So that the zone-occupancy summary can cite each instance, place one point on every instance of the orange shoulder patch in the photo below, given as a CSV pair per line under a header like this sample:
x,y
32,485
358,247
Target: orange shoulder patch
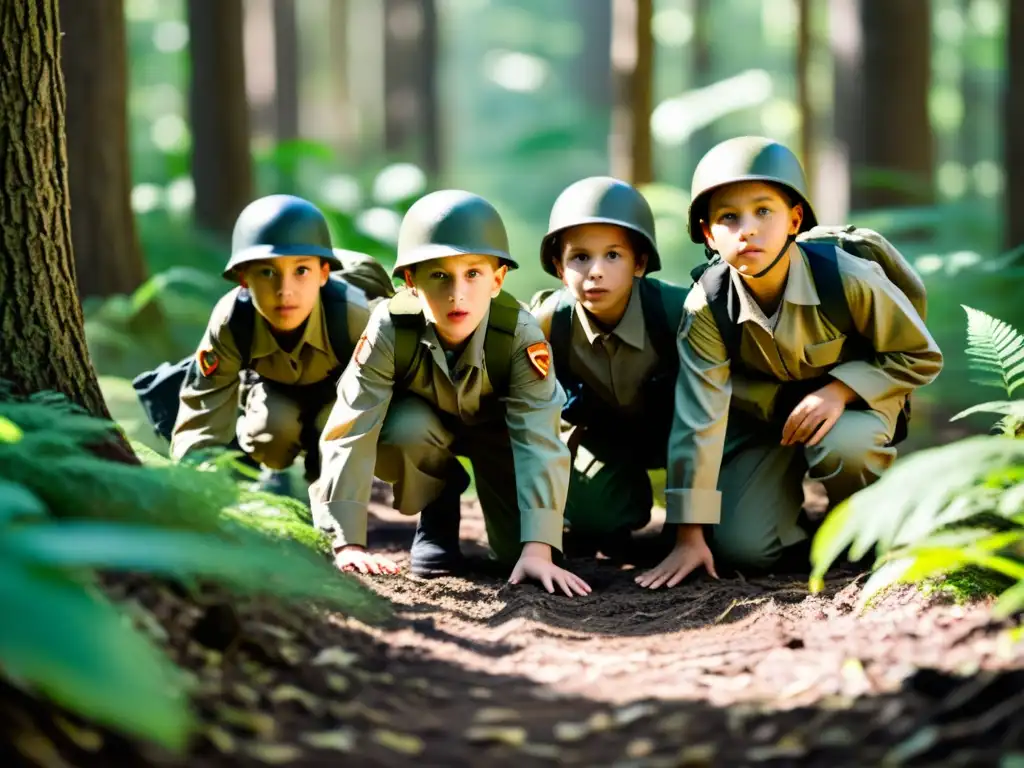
x,y
208,361
362,353
539,356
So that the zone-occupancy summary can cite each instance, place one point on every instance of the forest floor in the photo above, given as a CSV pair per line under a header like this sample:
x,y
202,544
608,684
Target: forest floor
x,y
472,671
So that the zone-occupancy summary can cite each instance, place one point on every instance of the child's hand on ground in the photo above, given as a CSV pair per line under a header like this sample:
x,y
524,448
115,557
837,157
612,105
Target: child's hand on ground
x,y
353,558
816,414
535,562
690,551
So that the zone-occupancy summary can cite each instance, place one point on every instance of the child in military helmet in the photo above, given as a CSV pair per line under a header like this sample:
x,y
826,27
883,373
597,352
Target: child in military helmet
x,y
613,332
451,366
775,386
263,378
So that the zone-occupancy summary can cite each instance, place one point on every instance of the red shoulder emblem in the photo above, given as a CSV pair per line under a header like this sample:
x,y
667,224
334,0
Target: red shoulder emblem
x,y
208,361
540,357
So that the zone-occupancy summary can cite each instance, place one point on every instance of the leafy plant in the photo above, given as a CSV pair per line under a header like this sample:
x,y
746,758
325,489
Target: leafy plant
x,y
66,515
948,508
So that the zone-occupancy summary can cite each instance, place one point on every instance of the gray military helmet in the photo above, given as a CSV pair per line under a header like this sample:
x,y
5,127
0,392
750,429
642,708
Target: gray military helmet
x,y
279,225
746,158
600,200
451,222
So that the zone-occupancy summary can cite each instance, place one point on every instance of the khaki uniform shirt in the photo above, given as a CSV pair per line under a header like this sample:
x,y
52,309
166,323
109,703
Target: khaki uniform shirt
x,y
615,364
208,411
799,344
530,413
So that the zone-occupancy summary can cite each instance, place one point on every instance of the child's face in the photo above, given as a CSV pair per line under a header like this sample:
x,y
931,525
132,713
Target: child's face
x,y
285,289
598,265
748,224
456,292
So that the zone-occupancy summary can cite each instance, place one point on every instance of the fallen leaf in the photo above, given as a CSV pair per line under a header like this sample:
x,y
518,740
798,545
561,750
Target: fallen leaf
x,y
259,723
600,721
37,748
542,751
335,657
404,743
337,683
245,694
632,713
776,751
287,693
222,741
274,754
341,740
571,731
280,633
696,754
638,748
84,738
291,653
495,715
512,735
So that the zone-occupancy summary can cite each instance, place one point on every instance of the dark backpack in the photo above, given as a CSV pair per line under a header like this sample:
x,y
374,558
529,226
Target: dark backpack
x,y
407,317
662,305
723,302
159,390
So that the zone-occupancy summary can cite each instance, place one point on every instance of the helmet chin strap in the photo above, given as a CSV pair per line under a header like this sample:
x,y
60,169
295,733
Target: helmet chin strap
x,y
789,241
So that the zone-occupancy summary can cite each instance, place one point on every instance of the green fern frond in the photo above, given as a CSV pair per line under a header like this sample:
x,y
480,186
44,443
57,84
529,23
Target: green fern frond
x,y
995,349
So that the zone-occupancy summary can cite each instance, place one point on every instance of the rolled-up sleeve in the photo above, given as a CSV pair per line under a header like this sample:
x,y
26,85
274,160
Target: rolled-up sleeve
x,y
348,444
699,419
533,417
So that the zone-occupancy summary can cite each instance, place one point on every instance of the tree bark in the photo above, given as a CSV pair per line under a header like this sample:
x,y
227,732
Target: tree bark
x,y
898,141
411,115
804,45
632,79
108,255
1013,118
42,339
221,158
702,139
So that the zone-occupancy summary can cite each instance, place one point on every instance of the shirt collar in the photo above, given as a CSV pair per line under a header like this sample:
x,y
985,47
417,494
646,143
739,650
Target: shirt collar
x,y
315,334
799,288
630,328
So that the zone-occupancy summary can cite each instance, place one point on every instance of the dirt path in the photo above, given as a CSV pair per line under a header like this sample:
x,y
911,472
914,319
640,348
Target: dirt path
x,y
473,672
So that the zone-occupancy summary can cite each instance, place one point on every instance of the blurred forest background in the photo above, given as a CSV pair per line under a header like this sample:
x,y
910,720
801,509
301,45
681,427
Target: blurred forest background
x,y
905,112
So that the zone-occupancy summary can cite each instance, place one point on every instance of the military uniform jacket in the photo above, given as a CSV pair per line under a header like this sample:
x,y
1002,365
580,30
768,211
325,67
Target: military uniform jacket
x,y
208,412
530,413
797,344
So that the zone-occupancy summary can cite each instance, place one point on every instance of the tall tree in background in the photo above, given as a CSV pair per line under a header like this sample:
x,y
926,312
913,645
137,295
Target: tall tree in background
x,y
592,73
632,82
338,30
94,54
286,71
221,159
803,94
702,139
42,339
411,116
1013,119
883,49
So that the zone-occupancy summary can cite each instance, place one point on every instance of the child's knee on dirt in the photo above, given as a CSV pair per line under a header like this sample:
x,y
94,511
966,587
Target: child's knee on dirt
x,y
852,455
607,497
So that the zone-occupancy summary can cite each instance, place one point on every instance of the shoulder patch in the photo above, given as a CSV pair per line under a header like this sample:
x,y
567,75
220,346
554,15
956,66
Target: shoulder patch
x,y
208,361
362,353
539,355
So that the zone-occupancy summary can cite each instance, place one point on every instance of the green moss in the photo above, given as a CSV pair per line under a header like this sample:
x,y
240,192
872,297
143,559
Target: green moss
x,y
968,585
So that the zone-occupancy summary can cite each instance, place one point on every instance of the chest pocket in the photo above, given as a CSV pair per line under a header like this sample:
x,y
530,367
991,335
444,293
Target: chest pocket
x,y
825,353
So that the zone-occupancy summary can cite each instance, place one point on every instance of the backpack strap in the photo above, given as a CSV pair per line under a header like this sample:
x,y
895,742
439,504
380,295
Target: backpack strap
x,y
829,284
724,304
407,318
501,333
560,337
242,322
334,297
663,311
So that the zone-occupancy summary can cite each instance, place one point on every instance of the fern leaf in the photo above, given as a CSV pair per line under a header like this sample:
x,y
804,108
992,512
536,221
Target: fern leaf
x,y
994,347
1013,408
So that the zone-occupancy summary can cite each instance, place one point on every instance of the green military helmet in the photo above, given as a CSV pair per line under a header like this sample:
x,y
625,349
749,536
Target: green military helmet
x,y
600,200
279,225
746,158
451,222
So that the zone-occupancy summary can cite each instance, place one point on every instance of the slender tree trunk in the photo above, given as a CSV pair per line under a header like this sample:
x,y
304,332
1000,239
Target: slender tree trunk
x,y
221,158
803,95
898,140
338,23
411,119
703,138
108,255
1013,119
632,78
42,339
592,73
286,70
847,44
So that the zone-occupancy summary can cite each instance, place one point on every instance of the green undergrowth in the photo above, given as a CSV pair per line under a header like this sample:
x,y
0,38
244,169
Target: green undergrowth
x,y
968,585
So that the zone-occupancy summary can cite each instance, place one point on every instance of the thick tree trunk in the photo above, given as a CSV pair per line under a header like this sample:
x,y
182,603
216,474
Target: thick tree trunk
x,y
42,340
632,80
221,158
1013,119
411,118
108,256
898,142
